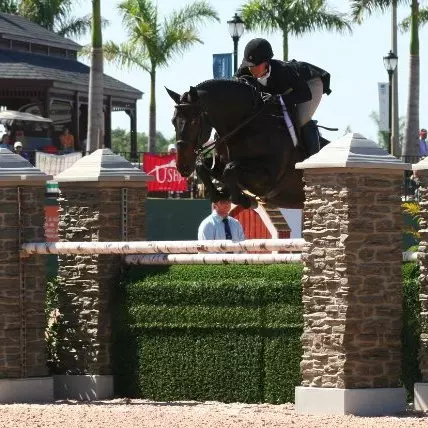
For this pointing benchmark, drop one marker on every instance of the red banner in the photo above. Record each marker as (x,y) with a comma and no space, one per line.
(163,168)
(51,223)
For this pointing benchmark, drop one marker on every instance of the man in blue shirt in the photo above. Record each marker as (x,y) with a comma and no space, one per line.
(219,225)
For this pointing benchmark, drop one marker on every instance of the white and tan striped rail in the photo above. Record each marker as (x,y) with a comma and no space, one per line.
(212,259)
(164,247)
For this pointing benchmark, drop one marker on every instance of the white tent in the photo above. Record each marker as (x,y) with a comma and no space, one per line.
(10,115)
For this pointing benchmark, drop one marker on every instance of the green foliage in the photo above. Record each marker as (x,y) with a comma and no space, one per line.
(412,209)
(382,136)
(292,18)
(153,42)
(229,333)
(9,6)
(52,322)
(121,141)
(411,327)
(55,15)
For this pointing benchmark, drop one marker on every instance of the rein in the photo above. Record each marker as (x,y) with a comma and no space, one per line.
(225,138)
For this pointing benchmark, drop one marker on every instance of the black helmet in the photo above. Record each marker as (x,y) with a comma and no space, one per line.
(256,52)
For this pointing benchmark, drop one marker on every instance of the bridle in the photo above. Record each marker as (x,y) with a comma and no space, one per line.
(199,147)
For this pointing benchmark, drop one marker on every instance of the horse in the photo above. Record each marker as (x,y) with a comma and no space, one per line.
(255,152)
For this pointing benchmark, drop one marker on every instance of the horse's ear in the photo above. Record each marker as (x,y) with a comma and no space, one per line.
(173,95)
(193,94)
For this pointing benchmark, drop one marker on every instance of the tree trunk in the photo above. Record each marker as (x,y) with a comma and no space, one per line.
(412,126)
(152,112)
(285,45)
(95,138)
(396,149)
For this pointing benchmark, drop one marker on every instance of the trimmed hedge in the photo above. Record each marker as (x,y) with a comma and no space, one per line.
(225,333)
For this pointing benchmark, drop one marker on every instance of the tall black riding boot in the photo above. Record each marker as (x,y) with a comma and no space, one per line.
(310,137)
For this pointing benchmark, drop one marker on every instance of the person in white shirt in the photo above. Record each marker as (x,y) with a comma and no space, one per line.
(219,225)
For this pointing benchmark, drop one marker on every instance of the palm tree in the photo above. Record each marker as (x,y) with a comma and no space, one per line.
(152,42)
(292,18)
(55,15)
(359,8)
(417,17)
(95,139)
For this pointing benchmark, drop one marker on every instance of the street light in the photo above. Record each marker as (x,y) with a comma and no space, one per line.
(236,28)
(390,62)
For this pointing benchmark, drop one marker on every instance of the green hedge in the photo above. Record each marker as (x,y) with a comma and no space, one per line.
(226,333)
(411,327)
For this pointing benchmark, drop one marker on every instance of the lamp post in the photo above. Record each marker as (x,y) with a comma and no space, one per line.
(390,63)
(236,28)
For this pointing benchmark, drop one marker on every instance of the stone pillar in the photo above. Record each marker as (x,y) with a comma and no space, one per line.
(23,369)
(352,287)
(102,198)
(421,388)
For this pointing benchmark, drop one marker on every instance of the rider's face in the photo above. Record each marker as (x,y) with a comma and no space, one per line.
(259,70)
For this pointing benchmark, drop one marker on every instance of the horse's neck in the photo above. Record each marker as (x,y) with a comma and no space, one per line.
(225,118)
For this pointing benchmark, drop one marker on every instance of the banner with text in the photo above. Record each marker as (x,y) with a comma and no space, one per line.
(222,66)
(383,106)
(163,168)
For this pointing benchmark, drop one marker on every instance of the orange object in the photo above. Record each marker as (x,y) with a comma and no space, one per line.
(67,141)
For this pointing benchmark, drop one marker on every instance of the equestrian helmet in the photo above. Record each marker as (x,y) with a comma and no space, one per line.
(257,51)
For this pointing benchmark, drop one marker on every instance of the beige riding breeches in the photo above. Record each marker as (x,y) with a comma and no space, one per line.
(306,110)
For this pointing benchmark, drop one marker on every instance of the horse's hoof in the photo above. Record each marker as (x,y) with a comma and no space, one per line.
(254,203)
(246,202)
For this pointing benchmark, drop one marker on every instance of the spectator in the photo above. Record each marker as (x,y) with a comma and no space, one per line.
(219,225)
(5,142)
(172,149)
(18,149)
(423,149)
(67,141)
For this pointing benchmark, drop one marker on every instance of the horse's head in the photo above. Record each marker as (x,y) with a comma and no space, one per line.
(191,129)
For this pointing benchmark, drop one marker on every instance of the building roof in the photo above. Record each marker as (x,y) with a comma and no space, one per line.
(15,27)
(63,72)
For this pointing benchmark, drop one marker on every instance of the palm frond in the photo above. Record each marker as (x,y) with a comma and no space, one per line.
(126,55)
(361,7)
(261,15)
(423,16)
(74,27)
(317,19)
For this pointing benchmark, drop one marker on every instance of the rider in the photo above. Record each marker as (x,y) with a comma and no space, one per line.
(299,83)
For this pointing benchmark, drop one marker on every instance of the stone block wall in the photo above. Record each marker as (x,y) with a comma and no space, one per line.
(22,284)
(92,212)
(352,279)
(423,277)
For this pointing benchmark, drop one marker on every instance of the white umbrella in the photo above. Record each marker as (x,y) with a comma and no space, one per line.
(9,115)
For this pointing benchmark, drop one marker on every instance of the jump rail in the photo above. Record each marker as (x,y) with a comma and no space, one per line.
(163,247)
(185,252)
(212,259)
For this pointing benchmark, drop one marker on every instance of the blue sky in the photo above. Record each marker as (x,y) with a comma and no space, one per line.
(354,61)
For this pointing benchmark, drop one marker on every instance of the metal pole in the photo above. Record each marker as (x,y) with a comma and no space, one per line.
(235,53)
(395,117)
(390,73)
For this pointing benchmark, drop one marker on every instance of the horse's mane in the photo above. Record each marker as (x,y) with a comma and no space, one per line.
(226,83)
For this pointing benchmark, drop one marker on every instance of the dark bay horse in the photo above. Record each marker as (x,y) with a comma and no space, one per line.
(254,149)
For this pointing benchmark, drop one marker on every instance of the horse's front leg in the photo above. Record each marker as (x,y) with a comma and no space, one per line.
(233,180)
(206,174)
